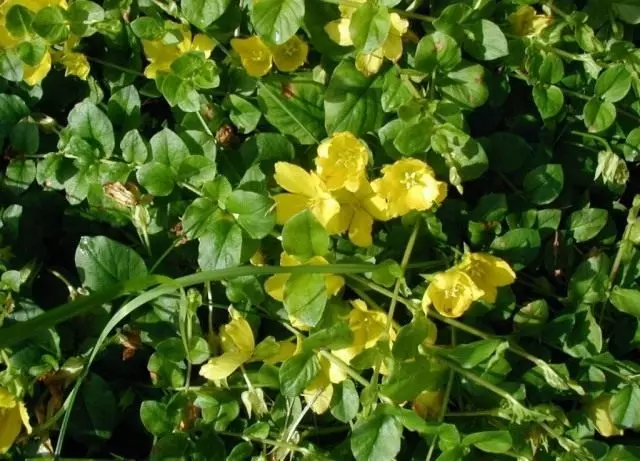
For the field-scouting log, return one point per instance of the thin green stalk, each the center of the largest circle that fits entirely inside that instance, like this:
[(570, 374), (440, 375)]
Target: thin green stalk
[(600, 139), (394, 299), (116, 66), (275, 443), (445, 400), (163, 256)]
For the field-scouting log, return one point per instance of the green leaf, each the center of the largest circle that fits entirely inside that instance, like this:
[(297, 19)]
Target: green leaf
[(490, 207), (472, 354), (551, 69), (277, 20), (171, 447), (196, 170), (352, 101), (25, 137), (201, 13), (585, 224), (90, 123), (18, 21), (485, 41), (297, 373), (395, 92), (448, 52), (155, 419), (297, 112), (124, 107), (267, 147), (94, 416), (414, 138), (304, 236), (376, 439), (613, 84), (103, 262), (167, 148), (157, 178), (50, 23), (305, 297), (409, 378), (590, 280), (544, 184), (336, 336), (466, 85), (549, 100), (598, 115), (627, 10), (10, 65), (243, 114), (345, 401), (426, 58), (134, 148), (147, 28), (626, 300), (254, 212), (625, 407), (518, 246), (369, 27), (490, 441), (222, 247), (32, 52), (20, 174)]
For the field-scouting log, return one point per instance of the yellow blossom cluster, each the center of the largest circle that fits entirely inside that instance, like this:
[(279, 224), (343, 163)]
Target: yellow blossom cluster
[(161, 55), (237, 347), (341, 197), (369, 63), (74, 63), (476, 277), (13, 416), (257, 57)]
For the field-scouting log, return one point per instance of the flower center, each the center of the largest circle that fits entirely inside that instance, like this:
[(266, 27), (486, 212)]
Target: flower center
[(289, 49), (454, 291), (410, 179)]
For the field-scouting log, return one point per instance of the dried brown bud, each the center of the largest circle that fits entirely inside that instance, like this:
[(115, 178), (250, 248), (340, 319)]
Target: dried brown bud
[(226, 135), (127, 195)]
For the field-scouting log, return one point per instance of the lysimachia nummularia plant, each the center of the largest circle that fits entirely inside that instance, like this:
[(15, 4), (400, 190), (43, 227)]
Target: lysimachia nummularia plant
[(366, 230)]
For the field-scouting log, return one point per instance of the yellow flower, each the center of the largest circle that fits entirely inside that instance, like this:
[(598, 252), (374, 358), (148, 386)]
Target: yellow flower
[(161, 55), (367, 327), (13, 415), (320, 391), (274, 285), (35, 74), (341, 162), (255, 55), (488, 273), (237, 344), (33, 5), (598, 412), (409, 184), (292, 54), (526, 22), (358, 210), (74, 63), (306, 191), (370, 63), (338, 31), (451, 292)]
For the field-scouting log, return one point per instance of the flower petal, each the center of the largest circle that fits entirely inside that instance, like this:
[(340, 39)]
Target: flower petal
[(221, 367), (289, 205)]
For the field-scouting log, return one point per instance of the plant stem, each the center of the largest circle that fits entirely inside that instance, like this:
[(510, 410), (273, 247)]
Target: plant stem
[(115, 66), (275, 443), (600, 139), (394, 298), (163, 256), (445, 400)]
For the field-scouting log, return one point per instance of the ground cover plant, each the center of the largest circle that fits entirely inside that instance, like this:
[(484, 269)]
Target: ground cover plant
[(319, 229)]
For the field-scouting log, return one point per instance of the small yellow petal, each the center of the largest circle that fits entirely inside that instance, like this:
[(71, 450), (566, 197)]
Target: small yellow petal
[(325, 209), (452, 293), (370, 63), (221, 367), (237, 335), (292, 54), (255, 55), (361, 228), (334, 284), (289, 205), (274, 286), (35, 74), (599, 413), (203, 43), (294, 179), (338, 31)]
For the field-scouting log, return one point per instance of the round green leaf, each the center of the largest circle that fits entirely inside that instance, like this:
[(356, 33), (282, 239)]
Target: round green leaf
[(304, 236), (598, 115), (544, 184), (369, 27), (613, 84), (277, 20), (548, 99)]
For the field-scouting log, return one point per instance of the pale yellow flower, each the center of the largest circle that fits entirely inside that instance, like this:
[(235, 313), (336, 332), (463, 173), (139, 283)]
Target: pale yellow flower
[(370, 63), (409, 184), (255, 55), (74, 63), (358, 210), (320, 391), (292, 54), (161, 55), (527, 22), (33, 75), (598, 412), (13, 416), (451, 292), (341, 161), (305, 191), (488, 272)]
